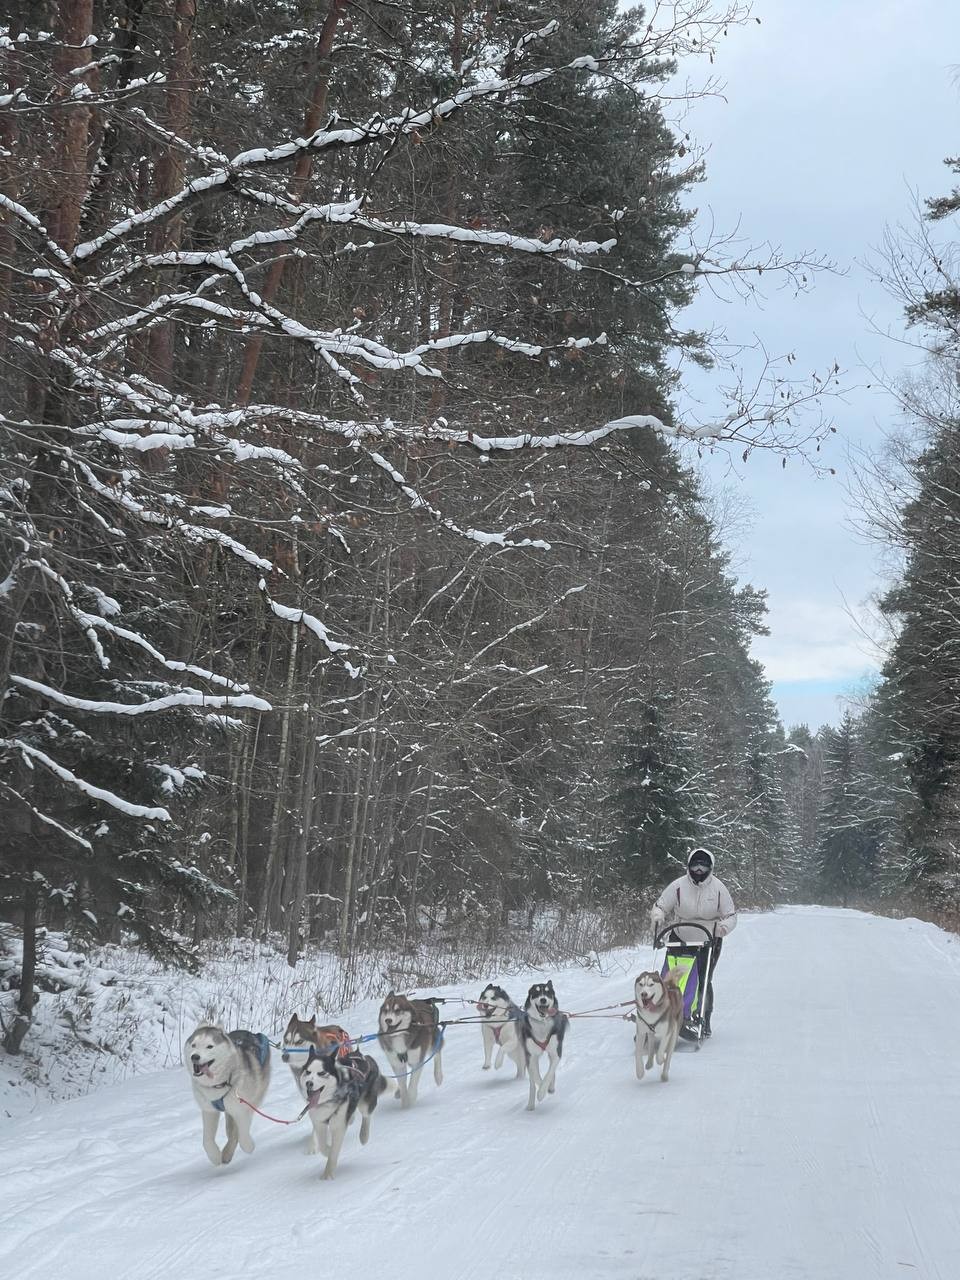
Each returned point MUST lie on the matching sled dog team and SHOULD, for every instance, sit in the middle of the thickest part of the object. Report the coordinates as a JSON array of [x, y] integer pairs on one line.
[[230, 1072]]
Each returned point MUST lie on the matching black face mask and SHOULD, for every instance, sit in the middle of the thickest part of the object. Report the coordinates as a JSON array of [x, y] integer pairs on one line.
[[698, 872]]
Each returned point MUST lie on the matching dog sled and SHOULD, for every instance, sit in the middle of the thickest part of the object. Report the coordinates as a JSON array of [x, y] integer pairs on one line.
[[690, 964]]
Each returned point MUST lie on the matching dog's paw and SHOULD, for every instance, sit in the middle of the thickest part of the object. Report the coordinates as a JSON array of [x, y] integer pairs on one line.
[[327, 1175], [226, 1155], [213, 1155], [247, 1145], [486, 1066]]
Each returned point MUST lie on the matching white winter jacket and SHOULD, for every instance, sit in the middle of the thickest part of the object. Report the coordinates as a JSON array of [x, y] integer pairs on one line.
[[708, 904]]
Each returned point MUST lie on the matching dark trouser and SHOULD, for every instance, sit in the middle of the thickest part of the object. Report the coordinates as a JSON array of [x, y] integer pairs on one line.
[[707, 1005]]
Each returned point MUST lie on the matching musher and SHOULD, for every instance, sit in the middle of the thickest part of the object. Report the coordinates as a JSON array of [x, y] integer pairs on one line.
[[697, 898]]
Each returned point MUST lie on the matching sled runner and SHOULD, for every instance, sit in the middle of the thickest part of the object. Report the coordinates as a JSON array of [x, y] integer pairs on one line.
[[690, 964]]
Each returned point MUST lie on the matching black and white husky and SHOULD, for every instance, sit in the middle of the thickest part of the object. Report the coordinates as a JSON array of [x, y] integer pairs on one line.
[[336, 1086], [501, 1027], [227, 1071], [542, 1029]]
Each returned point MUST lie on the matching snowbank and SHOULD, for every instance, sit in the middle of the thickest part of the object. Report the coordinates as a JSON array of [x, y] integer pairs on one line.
[[108, 1013]]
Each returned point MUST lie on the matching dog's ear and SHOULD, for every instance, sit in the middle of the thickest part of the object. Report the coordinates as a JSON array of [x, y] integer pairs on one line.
[[294, 1017], [312, 1053], [313, 1020]]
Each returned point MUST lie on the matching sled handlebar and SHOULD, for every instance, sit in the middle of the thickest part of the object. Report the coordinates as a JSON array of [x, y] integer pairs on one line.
[[709, 934]]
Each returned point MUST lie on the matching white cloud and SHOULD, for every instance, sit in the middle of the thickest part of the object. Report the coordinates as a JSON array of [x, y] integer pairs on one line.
[[811, 640]]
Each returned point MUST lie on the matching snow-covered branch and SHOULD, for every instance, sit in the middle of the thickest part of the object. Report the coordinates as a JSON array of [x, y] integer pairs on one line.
[[185, 698], [330, 138], [301, 617], [418, 503], [30, 754]]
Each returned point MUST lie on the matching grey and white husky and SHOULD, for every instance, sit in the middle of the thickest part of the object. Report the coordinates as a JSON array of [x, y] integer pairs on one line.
[[501, 1027], [409, 1034], [227, 1071], [336, 1086], [541, 1031]]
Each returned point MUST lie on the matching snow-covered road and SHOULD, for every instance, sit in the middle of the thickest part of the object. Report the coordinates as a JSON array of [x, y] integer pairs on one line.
[[817, 1135]]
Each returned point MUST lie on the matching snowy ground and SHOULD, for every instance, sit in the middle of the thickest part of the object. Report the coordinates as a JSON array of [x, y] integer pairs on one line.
[[815, 1136]]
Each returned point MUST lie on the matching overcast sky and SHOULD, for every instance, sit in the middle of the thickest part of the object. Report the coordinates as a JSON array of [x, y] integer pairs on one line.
[[838, 114]]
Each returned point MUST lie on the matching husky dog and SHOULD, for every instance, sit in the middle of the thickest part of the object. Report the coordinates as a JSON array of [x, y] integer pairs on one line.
[[500, 1027], [298, 1038], [541, 1031], [227, 1071], [335, 1087], [658, 1017], [409, 1034]]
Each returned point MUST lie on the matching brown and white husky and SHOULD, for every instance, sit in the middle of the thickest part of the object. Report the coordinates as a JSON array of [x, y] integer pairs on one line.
[[409, 1034], [298, 1039], [658, 1017]]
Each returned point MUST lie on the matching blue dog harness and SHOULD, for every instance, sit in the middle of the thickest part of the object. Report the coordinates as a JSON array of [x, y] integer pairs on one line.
[[254, 1042]]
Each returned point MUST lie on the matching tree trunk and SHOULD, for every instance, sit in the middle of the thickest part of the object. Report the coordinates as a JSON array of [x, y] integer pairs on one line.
[[298, 183], [15, 1036], [127, 49], [171, 168], [72, 30], [268, 913], [447, 272], [297, 871], [13, 78]]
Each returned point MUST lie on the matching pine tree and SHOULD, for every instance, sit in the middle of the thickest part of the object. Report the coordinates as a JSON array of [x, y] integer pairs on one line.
[[801, 772], [652, 799], [912, 722], [847, 848], [763, 830]]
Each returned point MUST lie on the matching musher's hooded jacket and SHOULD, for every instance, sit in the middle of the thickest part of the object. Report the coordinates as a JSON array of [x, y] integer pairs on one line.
[[708, 904]]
